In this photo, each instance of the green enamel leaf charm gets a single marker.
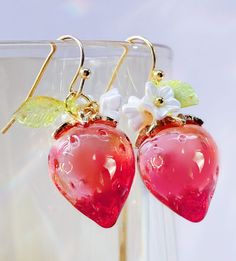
(183, 92)
(39, 111)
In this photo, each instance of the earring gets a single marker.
(91, 162)
(177, 157)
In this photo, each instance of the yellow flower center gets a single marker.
(159, 102)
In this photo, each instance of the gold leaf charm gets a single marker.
(39, 111)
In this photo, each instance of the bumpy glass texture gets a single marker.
(93, 166)
(180, 167)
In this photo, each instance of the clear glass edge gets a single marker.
(87, 43)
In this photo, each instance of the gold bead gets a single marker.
(158, 75)
(159, 102)
(85, 73)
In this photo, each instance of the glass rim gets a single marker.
(84, 42)
(24, 48)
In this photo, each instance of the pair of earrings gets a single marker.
(92, 162)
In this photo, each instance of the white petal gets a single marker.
(172, 104)
(151, 91)
(147, 106)
(130, 111)
(163, 111)
(105, 111)
(160, 113)
(134, 101)
(110, 95)
(112, 114)
(137, 122)
(146, 99)
(134, 112)
(112, 102)
(166, 92)
(132, 107)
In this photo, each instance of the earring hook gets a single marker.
(132, 39)
(117, 67)
(35, 84)
(156, 74)
(83, 73)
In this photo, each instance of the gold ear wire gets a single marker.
(81, 72)
(132, 39)
(154, 74)
(35, 84)
(116, 69)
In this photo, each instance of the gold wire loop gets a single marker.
(73, 95)
(35, 84)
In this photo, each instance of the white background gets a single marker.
(202, 35)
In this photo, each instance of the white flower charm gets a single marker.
(161, 99)
(158, 101)
(134, 111)
(110, 103)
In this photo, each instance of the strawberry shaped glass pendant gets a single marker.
(92, 165)
(91, 161)
(177, 157)
(179, 165)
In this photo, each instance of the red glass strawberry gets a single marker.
(92, 165)
(177, 158)
(179, 165)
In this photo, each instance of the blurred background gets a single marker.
(203, 39)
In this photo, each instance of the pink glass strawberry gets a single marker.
(92, 163)
(177, 157)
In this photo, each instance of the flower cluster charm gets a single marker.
(157, 102)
